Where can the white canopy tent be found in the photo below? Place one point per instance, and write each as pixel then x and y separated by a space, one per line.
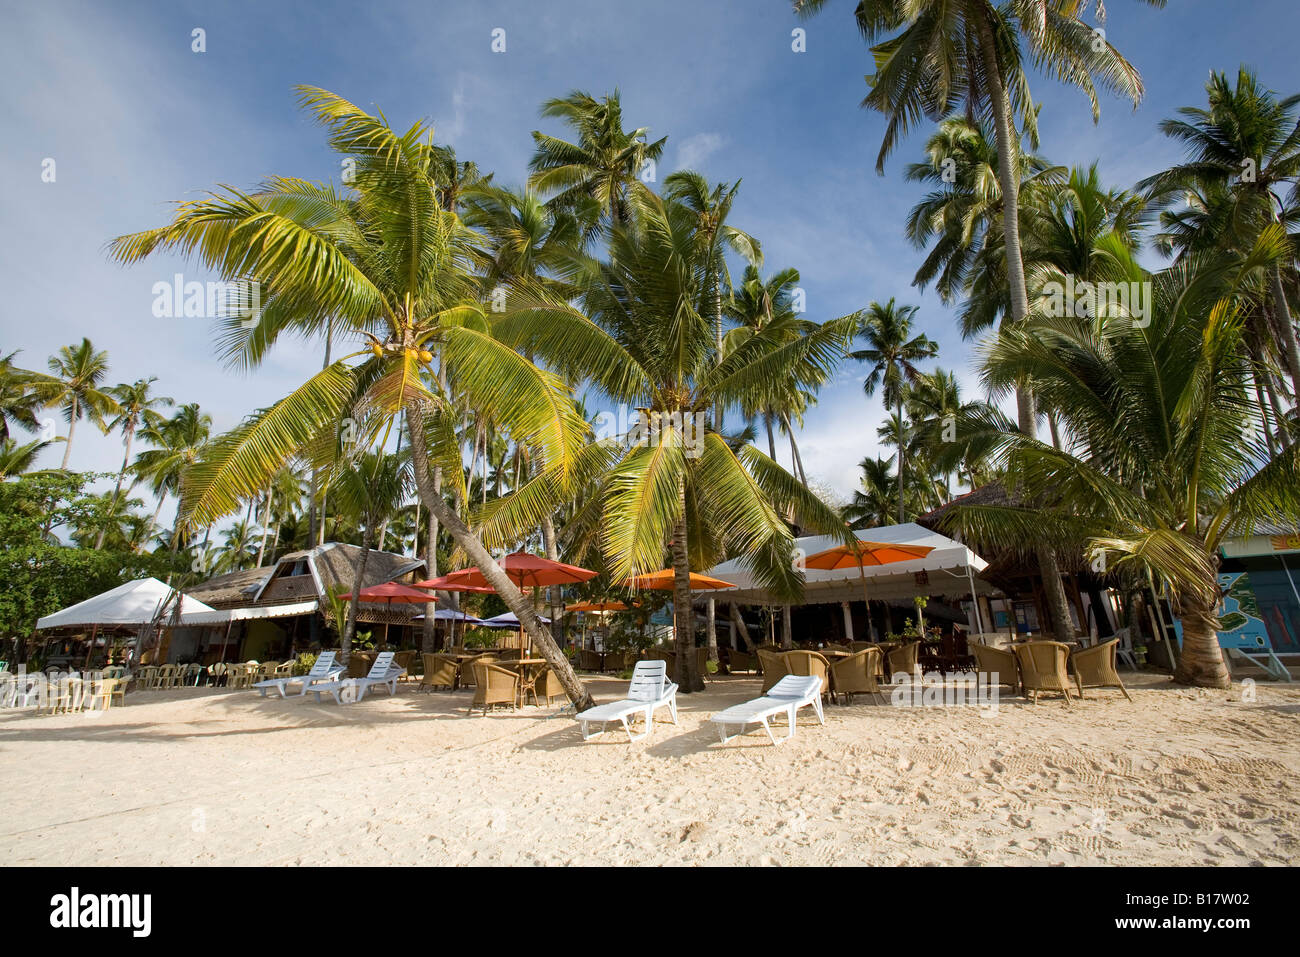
pixel 949 571
pixel 210 617
pixel 508 620
pixel 136 603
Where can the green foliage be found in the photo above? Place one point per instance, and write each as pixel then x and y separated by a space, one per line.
pixel 304 663
pixel 40 573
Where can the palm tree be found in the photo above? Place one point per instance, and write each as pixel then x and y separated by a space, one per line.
pixel 893 353
pixel 873 500
pixel 19 405
pixel 179 442
pixel 599 168
pixel 73 384
pixel 135 406
pixel 1243 151
pixel 1167 460
pixel 370 488
pixel 934 55
pixel 388 264
pixel 643 340
pixel 16 458
pixel 237 548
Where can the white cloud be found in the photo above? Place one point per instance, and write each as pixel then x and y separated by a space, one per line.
pixel 694 150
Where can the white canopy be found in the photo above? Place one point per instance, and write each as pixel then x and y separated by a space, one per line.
pixel 508 620
pixel 950 569
pixel 210 617
pixel 451 614
pixel 136 603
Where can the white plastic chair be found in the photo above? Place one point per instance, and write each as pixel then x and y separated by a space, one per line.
pixel 786 697
pixel 648 690
pixel 323 670
pixel 350 690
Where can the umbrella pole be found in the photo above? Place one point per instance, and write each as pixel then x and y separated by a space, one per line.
pixel 979 619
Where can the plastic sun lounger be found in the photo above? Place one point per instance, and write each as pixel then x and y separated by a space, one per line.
pixel 351 690
pixel 323 670
pixel 648 690
pixel 786 697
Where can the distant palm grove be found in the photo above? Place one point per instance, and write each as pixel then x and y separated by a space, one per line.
pixel 472 332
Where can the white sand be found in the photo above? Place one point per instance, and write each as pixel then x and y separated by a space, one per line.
pixel 226 777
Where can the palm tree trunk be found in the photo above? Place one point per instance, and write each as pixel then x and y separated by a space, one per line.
pixel 1285 328
pixel 72 425
pixel 358 582
pixel 266 525
pixel 128 433
pixel 771 438
pixel 901 445
pixel 1201 663
pixel 687 677
pixel 496 577
pixel 711 628
pixel 742 630
pixel 787 628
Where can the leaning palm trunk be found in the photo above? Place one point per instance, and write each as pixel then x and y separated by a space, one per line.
pixel 358 582
pixel 496 577
pixel 1201 663
pixel 1285 328
pixel 688 678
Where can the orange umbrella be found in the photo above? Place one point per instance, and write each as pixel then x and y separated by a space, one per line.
pixel 865 553
pixel 527 571
pixel 663 580
pixel 596 607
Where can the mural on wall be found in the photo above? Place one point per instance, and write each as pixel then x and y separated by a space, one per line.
pixel 1240 624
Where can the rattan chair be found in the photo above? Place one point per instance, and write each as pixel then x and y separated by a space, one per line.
pixel 905 658
pixel 999 664
pixel 805 663
pixel 439 672
pixel 1042 668
pixel 547 686
pixel 467 678
pixel 738 661
pixel 774 667
pixel 1095 668
pixel 493 685
pixel 856 674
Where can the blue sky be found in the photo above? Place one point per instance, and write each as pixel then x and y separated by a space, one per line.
pixel 135 120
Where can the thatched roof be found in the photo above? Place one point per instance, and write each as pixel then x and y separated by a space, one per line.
pixel 994 493
pixel 231 589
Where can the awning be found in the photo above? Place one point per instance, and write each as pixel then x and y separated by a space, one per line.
pixel 137 602
pixel 946 572
pixel 250 613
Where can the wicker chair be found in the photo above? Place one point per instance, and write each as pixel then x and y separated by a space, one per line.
pixel 1042 668
pixel 359 663
pixel 774 667
pixel 467 669
pixel 738 661
pixel 859 645
pixel 999 664
pixel 905 658
pixel 404 660
pixel 810 663
pixel 1095 668
pixel 856 674
pixel 588 660
pixel 547 686
pixel 493 685
pixel 439 672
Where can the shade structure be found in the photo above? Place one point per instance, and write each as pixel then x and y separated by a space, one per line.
pixel 951 569
pixel 664 580
pixel 527 571
pixel 446 583
pixel 451 614
pixel 138 602
pixel 596 607
pixel 509 620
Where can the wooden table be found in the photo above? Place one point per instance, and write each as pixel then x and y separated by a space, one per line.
pixel 529 672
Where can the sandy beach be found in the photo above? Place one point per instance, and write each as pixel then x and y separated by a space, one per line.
pixel 210 776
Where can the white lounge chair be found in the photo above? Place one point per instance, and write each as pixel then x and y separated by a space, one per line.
pixel 323 670
pixel 648 690
pixel 351 690
pixel 785 697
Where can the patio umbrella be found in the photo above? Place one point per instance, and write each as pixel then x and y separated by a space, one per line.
pixel 527 571
pixel 663 580
pixel 390 592
pixel 594 608
pixel 861 554
pixel 442 583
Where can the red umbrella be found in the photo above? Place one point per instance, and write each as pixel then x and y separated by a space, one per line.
pixel 527 571
pixel 390 592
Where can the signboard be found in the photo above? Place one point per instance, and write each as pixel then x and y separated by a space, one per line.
pixel 1239 623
